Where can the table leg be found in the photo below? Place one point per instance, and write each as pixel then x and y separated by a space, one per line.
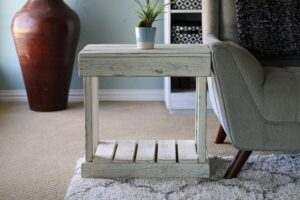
pixel 91 105
pixel 200 125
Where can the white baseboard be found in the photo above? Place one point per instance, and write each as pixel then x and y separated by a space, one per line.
pixel 104 95
pixel 13 96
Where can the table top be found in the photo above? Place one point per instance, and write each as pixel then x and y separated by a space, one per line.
pixel 111 49
pixel 126 60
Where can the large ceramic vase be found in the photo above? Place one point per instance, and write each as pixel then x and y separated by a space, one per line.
pixel 46 34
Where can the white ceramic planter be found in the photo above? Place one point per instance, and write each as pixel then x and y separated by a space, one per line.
pixel 145 37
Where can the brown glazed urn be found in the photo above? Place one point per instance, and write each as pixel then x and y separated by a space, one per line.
pixel 46 34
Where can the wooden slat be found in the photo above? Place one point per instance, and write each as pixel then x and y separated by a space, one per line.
pixel 166 152
pixel 145 151
pixel 105 151
pixel 125 151
pixel 201 118
pixel 187 151
pixel 91 116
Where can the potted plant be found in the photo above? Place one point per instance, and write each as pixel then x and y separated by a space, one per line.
pixel 147 13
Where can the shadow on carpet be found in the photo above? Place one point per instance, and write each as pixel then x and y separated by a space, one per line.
pixel 263 177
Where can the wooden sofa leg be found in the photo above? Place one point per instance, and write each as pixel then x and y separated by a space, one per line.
pixel 237 163
pixel 220 136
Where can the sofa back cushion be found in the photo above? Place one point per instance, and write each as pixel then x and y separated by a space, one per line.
pixel 269 28
pixel 229 31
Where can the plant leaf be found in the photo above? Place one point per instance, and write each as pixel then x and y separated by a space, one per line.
pixel 148 12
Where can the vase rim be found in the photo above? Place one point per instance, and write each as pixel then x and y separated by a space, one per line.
pixel 45 0
pixel 42 0
pixel 144 27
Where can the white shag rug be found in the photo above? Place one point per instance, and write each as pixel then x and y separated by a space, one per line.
pixel 263 177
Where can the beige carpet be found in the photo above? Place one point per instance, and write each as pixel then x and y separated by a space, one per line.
pixel 38 151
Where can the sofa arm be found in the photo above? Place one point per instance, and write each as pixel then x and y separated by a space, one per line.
pixel 210 18
pixel 240 79
pixel 213 41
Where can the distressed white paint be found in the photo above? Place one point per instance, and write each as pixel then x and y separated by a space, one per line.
pixel 145 151
pixel 187 151
pixel 127 60
pixel 105 151
pixel 166 152
pixel 200 124
pixel 125 151
pixel 94 170
pixel 91 116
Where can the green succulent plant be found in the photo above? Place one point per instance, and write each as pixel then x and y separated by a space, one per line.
pixel 148 12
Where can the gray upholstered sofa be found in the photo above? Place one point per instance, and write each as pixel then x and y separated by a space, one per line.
pixel 257 101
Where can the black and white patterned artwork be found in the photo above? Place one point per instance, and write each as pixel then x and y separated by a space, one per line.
pixel 186 5
pixel 186 34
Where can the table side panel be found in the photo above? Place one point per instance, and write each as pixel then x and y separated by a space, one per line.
pixel 156 66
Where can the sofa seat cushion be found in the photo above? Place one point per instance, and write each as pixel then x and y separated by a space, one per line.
pixel 281 94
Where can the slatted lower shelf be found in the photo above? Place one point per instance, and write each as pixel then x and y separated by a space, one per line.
pixel 145 158
pixel 146 151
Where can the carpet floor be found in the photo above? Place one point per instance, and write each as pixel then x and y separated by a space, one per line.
pixel 264 177
pixel 38 151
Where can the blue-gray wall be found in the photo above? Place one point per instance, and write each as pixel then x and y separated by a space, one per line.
pixel 102 21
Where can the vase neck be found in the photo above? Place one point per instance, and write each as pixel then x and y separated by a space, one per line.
pixel 34 1
pixel 43 3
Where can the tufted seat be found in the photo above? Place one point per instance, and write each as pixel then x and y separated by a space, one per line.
pixel 282 94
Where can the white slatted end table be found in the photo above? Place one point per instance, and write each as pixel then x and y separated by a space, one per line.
pixel 144 158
